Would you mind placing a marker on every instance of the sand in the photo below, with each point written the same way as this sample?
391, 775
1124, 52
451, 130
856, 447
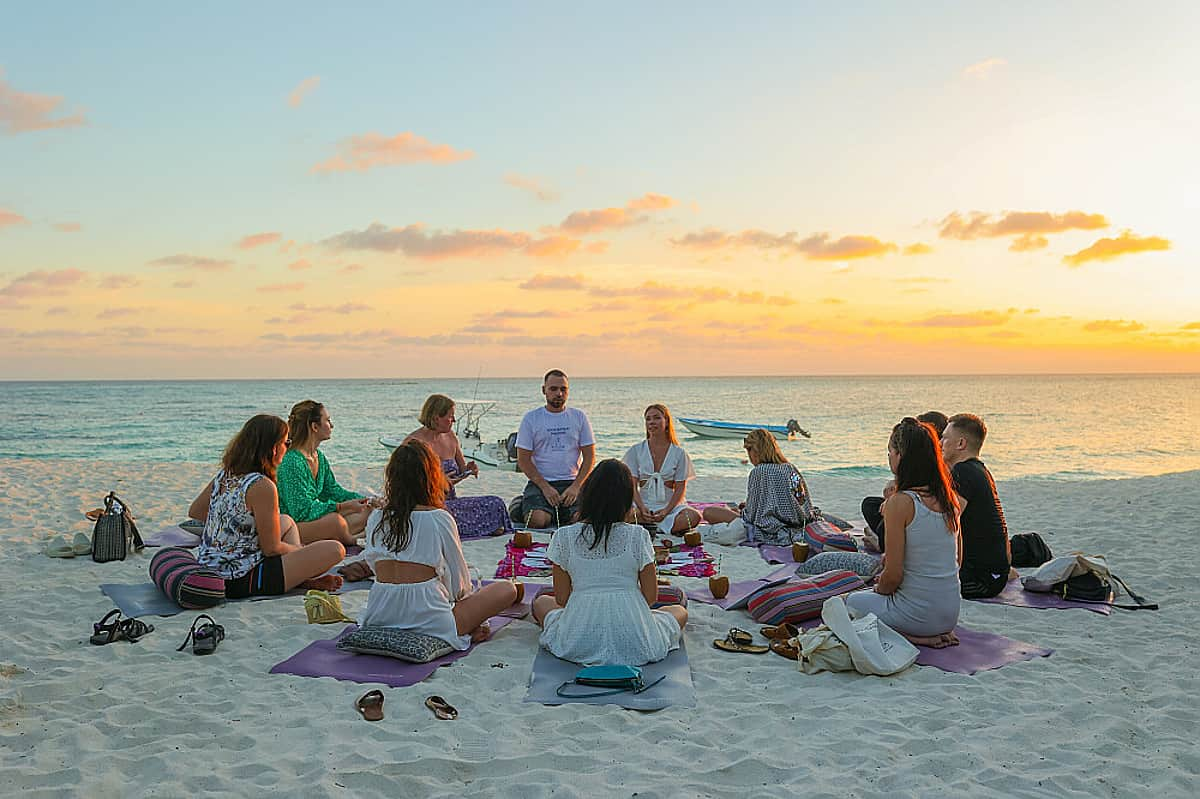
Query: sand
1113, 712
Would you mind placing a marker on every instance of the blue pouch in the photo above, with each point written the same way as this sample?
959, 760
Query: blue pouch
616, 679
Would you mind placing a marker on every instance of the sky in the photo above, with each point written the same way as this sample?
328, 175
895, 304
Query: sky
402, 190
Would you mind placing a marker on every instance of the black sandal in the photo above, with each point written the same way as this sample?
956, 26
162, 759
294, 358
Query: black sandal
204, 637
131, 630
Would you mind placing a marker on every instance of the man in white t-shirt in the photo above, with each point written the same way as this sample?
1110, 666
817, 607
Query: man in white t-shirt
555, 450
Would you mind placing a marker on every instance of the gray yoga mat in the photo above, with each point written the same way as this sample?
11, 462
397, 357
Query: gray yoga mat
144, 599
677, 689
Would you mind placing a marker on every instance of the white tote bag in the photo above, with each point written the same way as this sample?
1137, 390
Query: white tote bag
1063, 568
874, 647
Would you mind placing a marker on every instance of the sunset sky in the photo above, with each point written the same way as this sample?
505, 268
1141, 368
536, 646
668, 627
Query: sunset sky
301, 190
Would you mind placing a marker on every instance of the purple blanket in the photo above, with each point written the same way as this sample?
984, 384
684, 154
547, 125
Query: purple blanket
1014, 594
740, 591
979, 651
323, 659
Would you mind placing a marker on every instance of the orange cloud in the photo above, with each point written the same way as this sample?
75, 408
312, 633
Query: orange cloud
978, 225
38, 284
297, 266
1028, 243
976, 319
1125, 244
984, 68
652, 202
415, 242
1113, 326
540, 282
817, 247
601, 219
1191, 326
302, 89
920, 248
117, 313
68, 227
9, 218
344, 308
282, 287
258, 240
183, 284
533, 186
21, 112
370, 150
197, 262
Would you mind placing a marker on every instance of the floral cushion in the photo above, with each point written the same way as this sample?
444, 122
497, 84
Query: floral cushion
407, 645
864, 564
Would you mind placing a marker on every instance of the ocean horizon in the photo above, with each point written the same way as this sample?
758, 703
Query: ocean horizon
1065, 426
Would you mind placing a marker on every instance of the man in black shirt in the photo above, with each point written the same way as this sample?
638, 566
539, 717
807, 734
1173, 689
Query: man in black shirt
986, 555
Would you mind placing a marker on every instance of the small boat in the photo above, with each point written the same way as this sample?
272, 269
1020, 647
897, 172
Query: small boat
499, 455
710, 428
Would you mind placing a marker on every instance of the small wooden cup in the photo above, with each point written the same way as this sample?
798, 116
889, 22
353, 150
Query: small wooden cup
799, 551
718, 586
691, 538
522, 539
661, 555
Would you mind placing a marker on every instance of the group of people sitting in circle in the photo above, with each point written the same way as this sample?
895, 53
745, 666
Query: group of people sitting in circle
276, 519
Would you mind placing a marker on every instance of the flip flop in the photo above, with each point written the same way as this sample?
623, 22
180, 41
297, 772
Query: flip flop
441, 708
783, 648
61, 548
780, 632
94, 513
82, 545
740, 641
370, 705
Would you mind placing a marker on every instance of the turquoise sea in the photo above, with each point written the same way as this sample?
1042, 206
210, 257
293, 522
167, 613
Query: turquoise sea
1060, 427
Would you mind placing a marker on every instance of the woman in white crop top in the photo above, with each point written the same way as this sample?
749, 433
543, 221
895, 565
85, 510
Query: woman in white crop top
421, 578
661, 470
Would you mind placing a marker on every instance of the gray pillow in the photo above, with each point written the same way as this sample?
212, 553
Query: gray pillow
863, 564
406, 645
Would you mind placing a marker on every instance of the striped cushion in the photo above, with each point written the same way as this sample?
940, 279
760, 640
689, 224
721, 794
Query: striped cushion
667, 595
800, 599
185, 582
822, 535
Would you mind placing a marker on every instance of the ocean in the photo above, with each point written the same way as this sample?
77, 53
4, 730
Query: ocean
1068, 427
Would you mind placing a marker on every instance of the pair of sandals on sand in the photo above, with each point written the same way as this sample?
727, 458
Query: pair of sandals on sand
370, 706
62, 548
779, 635
204, 634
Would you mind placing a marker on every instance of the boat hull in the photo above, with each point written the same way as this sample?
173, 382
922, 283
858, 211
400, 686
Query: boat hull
486, 456
710, 428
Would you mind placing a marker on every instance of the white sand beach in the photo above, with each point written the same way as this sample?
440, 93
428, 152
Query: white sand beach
1112, 713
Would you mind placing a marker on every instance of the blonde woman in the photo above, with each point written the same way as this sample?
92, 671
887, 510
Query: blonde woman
308, 491
777, 503
476, 516
661, 470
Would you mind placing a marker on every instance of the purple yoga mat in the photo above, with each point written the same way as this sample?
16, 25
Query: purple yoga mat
323, 659
979, 651
173, 536
1014, 594
776, 554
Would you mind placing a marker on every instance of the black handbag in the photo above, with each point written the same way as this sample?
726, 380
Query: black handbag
1029, 549
1091, 587
114, 532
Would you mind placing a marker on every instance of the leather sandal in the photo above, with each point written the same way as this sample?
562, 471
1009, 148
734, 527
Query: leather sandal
370, 705
780, 632
205, 636
739, 641
441, 708
785, 649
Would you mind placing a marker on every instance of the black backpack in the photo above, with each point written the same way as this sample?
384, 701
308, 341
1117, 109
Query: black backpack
1028, 549
1090, 587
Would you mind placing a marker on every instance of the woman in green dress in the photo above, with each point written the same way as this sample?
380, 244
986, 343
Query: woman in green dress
308, 491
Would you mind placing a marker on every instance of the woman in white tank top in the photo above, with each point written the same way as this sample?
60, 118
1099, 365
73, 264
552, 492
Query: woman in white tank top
917, 593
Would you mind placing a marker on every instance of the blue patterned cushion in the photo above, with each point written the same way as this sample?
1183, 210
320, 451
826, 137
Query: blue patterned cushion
864, 564
406, 645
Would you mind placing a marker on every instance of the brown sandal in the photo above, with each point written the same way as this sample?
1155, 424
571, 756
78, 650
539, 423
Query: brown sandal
370, 705
784, 649
780, 632
441, 708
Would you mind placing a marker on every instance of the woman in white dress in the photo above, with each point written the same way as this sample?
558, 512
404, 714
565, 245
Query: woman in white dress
421, 577
605, 583
661, 470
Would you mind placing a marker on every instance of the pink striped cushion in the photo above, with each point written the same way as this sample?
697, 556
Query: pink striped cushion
185, 582
800, 599
822, 535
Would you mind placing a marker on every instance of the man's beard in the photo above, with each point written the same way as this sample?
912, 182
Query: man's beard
557, 402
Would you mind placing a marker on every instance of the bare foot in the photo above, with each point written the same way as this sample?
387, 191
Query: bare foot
481, 633
931, 641
326, 582
358, 570
950, 638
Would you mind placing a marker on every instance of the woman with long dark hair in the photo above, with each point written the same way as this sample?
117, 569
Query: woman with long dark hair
605, 582
308, 491
917, 593
421, 577
246, 540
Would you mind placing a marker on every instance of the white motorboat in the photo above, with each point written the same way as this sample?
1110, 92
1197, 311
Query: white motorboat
711, 428
501, 454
